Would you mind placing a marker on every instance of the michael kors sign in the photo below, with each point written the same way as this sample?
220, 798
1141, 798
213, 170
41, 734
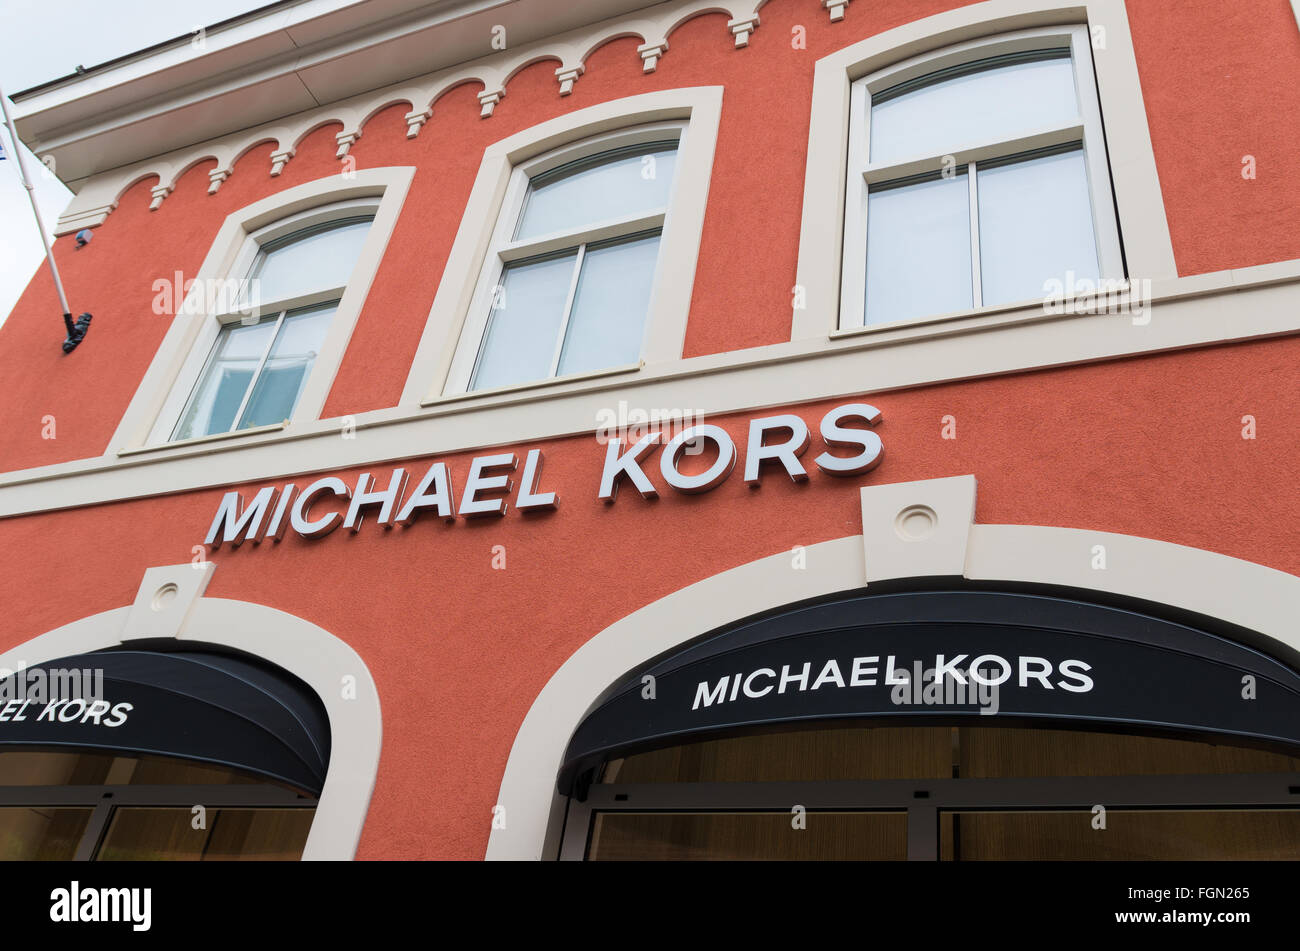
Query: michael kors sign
779, 441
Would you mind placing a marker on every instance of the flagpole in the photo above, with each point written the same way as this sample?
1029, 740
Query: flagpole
75, 332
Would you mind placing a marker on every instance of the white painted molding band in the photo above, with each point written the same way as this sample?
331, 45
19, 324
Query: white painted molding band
1203, 310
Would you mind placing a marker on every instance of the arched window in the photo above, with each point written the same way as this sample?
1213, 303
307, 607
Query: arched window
273, 324
568, 284
977, 178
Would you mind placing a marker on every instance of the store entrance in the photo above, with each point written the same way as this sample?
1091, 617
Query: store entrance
186, 755
951, 793
956, 725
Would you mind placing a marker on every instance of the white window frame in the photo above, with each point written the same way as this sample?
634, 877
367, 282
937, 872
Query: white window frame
158, 402
863, 173
442, 366
1148, 249
204, 349
505, 249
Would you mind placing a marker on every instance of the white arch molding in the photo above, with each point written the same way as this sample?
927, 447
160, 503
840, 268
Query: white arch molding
170, 604
910, 530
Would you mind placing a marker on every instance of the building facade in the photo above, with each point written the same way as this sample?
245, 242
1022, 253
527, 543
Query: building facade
742, 429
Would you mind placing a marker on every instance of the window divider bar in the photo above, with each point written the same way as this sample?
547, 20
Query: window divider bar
568, 310
245, 795
922, 834
324, 295
972, 186
600, 231
1068, 793
94, 833
577, 830
921, 165
252, 384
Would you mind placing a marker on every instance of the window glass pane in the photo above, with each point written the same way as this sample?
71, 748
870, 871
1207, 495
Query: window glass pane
1130, 835
225, 380
32, 833
918, 250
36, 767
985, 106
855, 752
524, 325
1035, 225
991, 752
310, 262
173, 771
609, 308
617, 186
54, 768
292, 356
138, 833
785, 755
677, 836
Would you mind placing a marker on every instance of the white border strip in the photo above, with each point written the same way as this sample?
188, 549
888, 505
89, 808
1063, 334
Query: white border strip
1143, 226
309, 652
1203, 310
1239, 592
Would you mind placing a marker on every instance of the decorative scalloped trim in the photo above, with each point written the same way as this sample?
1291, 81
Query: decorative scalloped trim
100, 195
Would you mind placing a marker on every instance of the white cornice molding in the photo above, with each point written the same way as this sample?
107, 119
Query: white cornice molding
741, 27
269, 64
98, 195
158, 193
652, 52
836, 8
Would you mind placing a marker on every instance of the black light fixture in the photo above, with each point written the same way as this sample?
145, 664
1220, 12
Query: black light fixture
76, 331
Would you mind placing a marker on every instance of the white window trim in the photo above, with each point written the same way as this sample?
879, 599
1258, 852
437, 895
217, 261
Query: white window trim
862, 172
505, 249
1147, 246
152, 413
311, 653
209, 334
439, 371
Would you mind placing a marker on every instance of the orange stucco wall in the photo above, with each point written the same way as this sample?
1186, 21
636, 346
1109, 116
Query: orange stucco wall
458, 649
1147, 446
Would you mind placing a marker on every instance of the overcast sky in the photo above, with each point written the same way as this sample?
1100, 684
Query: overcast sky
40, 41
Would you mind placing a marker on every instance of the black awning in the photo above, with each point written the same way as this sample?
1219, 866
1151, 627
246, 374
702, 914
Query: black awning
196, 704
1058, 660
